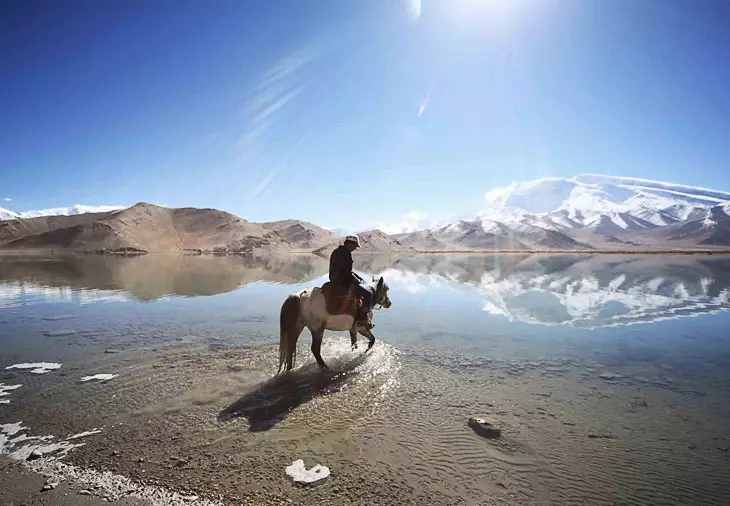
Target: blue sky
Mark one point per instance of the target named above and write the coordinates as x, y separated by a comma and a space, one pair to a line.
353, 113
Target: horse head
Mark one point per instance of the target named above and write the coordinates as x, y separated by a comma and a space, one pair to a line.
380, 296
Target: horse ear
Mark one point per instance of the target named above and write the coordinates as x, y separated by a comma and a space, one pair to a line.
380, 284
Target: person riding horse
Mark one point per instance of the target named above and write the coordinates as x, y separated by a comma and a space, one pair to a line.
341, 275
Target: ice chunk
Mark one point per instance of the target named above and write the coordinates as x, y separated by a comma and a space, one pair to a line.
100, 377
37, 367
12, 429
301, 474
84, 434
6, 389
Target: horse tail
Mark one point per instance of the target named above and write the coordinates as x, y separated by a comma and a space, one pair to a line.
287, 327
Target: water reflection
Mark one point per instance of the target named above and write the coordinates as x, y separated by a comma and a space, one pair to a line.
147, 277
575, 290
578, 290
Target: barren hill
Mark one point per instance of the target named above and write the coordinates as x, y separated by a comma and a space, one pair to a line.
142, 228
302, 234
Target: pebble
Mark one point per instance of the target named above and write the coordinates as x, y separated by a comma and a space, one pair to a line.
50, 484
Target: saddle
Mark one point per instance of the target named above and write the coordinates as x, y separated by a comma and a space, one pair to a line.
340, 300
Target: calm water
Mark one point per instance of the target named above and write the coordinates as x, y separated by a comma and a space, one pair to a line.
667, 308
535, 331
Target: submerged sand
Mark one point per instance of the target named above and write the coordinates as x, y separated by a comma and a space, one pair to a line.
392, 427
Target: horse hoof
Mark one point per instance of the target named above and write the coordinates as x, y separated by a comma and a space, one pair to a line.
370, 345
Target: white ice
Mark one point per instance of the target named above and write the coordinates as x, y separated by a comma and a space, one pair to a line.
100, 377
37, 367
301, 474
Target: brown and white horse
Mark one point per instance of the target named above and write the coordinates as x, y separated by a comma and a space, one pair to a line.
308, 308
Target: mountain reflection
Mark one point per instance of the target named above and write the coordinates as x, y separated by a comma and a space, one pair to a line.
149, 277
576, 290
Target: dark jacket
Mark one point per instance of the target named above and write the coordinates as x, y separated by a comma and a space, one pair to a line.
341, 267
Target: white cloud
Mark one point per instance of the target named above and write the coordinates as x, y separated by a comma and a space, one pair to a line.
414, 220
277, 87
8, 199
263, 184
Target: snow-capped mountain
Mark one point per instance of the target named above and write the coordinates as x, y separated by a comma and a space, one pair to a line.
585, 199
586, 212
6, 214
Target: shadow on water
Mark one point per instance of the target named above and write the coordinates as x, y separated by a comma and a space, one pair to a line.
271, 401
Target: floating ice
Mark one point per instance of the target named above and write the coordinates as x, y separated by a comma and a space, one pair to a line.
301, 474
100, 377
5, 391
44, 458
37, 367
11, 445
84, 434
11, 429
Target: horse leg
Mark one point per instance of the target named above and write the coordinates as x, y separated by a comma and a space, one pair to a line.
290, 327
371, 338
317, 336
291, 356
353, 339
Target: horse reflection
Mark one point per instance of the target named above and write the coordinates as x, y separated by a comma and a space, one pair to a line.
272, 400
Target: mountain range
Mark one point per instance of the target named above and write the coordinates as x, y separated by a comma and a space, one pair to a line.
7, 214
589, 212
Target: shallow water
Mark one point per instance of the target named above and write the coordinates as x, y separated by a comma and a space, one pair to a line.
610, 376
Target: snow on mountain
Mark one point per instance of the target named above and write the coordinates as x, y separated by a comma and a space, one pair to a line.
585, 211
75, 209
415, 221
591, 200
7, 214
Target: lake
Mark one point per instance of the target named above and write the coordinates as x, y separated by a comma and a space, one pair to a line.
609, 376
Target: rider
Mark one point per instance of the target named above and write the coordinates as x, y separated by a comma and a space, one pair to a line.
341, 275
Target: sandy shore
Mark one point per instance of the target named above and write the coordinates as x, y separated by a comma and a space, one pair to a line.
20, 486
391, 426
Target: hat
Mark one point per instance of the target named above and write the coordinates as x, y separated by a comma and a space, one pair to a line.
353, 238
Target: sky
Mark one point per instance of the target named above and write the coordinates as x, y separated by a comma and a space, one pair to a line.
354, 114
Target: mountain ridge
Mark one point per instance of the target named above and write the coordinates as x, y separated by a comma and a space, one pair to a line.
588, 212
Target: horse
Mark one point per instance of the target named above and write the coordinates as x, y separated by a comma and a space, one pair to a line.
308, 308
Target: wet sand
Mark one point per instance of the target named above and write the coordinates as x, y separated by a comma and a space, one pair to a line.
21, 487
392, 426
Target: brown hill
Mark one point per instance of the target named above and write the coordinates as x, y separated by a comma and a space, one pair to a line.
377, 240
302, 234
144, 228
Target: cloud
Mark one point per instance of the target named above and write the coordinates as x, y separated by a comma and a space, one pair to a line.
418, 220
263, 184
413, 221
286, 67
281, 84
8, 199
276, 104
